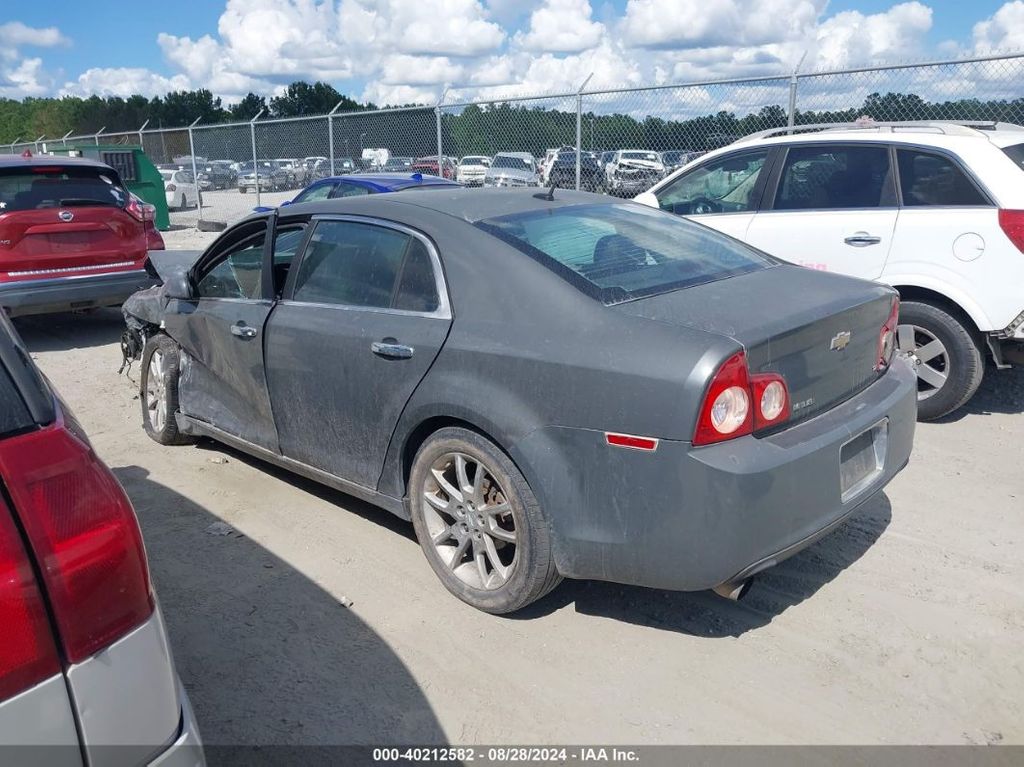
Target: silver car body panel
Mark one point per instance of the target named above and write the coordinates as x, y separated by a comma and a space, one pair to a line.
40, 716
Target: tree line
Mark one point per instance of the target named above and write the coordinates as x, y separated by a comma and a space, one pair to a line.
476, 129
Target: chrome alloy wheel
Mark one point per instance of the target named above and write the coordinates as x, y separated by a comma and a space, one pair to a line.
470, 521
927, 354
156, 391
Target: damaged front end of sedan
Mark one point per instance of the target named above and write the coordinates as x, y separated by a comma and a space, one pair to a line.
144, 310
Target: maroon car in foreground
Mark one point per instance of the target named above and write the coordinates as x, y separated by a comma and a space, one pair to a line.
71, 236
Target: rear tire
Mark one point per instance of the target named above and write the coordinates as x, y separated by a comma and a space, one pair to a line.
158, 391
943, 350
497, 573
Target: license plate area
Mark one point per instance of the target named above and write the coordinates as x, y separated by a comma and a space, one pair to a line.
862, 459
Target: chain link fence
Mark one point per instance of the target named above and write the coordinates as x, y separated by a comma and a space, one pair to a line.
265, 162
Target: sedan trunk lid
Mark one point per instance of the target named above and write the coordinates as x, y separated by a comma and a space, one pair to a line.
819, 331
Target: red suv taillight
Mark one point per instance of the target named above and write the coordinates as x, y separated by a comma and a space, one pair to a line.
139, 210
27, 653
887, 337
738, 403
1012, 224
82, 529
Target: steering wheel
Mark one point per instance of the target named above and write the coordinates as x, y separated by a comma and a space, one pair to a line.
702, 205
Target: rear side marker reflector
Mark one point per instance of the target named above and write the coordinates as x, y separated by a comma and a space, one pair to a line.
630, 441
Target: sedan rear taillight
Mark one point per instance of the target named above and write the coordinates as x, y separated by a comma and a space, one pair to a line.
738, 403
1012, 224
83, 532
27, 653
887, 337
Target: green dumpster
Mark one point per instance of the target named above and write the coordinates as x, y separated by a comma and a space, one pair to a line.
137, 171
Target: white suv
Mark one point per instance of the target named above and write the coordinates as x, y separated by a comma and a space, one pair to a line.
934, 209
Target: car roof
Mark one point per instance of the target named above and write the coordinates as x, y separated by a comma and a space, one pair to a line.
48, 161
390, 182
469, 205
939, 133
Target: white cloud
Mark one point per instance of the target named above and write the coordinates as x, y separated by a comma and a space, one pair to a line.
681, 24
402, 69
26, 78
124, 82
562, 26
14, 34
852, 39
1004, 31
19, 76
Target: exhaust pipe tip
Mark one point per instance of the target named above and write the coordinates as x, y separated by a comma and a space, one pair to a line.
733, 590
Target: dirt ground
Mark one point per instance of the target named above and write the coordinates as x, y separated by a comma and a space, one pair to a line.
311, 617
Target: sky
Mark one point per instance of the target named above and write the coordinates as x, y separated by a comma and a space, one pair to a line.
405, 51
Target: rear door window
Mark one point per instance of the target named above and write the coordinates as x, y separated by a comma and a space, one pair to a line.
835, 177
927, 179
43, 186
314, 193
417, 287
351, 264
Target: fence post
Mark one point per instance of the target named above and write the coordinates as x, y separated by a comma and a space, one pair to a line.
97, 136
195, 173
37, 142
330, 131
440, 147
142, 144
255, 165
579, 127
64, 138
14, 143
793, 81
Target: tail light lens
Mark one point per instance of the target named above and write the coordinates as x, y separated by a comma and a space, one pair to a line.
83, 532
726, 411
27, 653
771, 400
738, 403
1012, 224
887, 337
141, 211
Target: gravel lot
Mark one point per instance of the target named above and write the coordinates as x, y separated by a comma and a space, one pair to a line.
316, 619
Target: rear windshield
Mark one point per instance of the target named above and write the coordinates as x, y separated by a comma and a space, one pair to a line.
472, 161
618, 252
505, 161
34, 187
1016, 153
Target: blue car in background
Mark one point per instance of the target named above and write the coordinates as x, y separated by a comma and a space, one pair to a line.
357, 184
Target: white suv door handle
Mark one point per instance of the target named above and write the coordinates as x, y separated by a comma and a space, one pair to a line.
862, 239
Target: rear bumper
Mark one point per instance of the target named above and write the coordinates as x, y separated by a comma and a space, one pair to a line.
688, 518
187, 749
77, 292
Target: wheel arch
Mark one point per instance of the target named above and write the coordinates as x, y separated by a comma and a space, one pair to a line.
952, 300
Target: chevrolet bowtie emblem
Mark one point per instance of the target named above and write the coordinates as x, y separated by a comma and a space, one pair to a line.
840, 341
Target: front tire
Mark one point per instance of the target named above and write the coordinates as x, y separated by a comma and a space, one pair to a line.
479, 524
943, 351
158, 390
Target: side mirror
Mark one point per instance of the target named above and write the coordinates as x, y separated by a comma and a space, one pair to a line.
177, 285
286, 202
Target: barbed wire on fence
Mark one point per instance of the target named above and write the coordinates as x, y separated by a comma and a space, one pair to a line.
680, 118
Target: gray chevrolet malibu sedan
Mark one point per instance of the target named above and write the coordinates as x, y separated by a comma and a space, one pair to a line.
548, 386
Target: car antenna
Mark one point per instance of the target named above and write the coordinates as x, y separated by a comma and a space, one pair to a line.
550, 196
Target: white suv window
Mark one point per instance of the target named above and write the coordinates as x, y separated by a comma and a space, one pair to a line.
927, 178
829, 177
723, 185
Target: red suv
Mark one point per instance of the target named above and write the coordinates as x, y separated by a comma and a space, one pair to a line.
429, 165
71, 236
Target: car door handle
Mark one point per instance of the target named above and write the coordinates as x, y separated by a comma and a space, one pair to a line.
862, 239
390, 349
242, 330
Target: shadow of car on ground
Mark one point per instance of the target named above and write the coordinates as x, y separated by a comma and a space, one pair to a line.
279, 670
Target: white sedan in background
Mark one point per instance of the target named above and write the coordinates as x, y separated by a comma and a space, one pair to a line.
180, 189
